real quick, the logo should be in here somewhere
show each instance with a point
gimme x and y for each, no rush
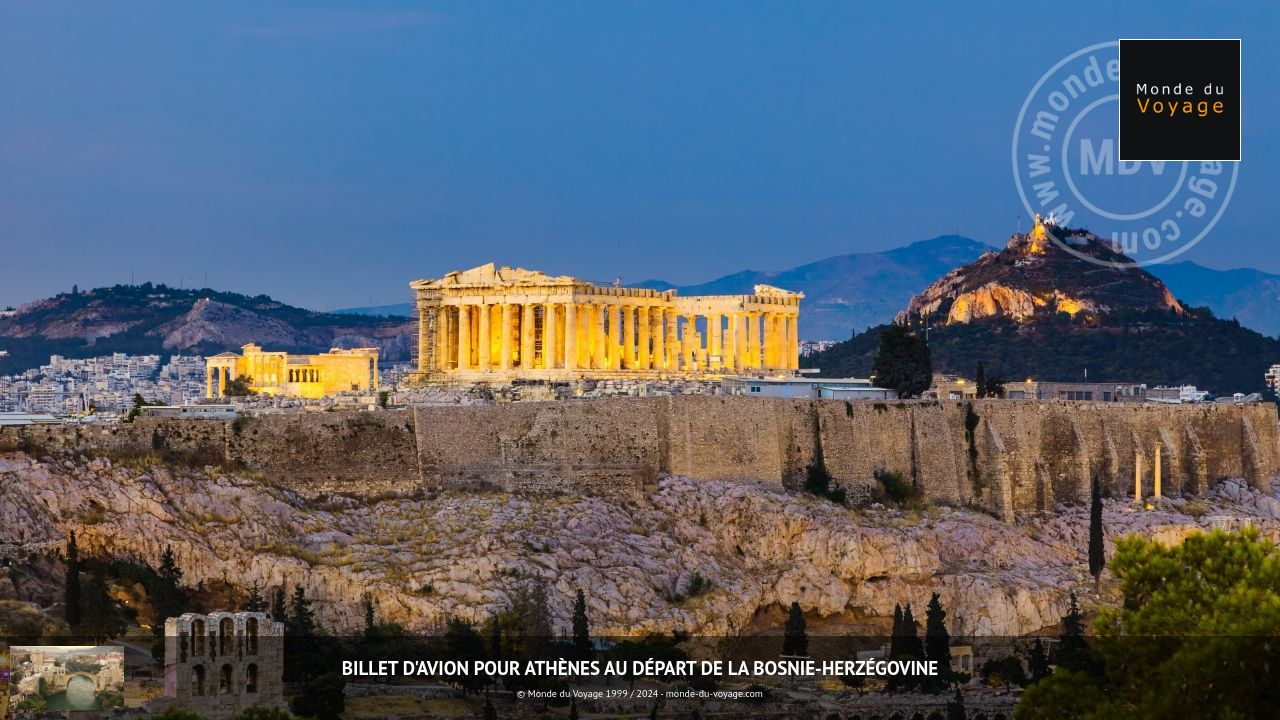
(1067, 167)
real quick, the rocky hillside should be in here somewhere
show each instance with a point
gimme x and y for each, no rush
(1033, 309)
(1034, 278)
(464, 554)
(155, 319)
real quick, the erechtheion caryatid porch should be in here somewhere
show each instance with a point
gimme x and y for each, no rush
(498, 324)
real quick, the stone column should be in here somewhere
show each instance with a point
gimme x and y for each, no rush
(505, 339)
(642, 344)
(444, 338)
(599, 341)
(485, 341)
(770, 340)
(614, 361)
(715, 344)
(570, 336)
(730, 343)
(794, 341)
(223, 376)
(753, 340)
(1137, 478)
(658, 328)
(740, 340)
(208, 381)
(694, 354)
(527, 327)
(424, 337)
(628, 337)
(550, 346)
(673, 340)
(464, 337)
(1155, 490)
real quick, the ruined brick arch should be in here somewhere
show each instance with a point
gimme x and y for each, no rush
(226, 680)
(198, 680)
(918, 716)
(197, 638)
(251, 678)
(251, 636)
(226, 636)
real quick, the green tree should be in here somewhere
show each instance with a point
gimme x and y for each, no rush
(71, 593)
(1004, 671)
(258, 712)
(173, 712)
(255, 602)
(321, 698)
(937, 645)
(795, 639)
(980, 381)
(903, 362)
(169, 599)
(573, 709)
(97, 611)
(1194, 636)
(278, 611)
(301, 620)
(464, 644)
(1038, 662)
(1097, 551)
(1073, 651)
(369, 624)
(240, 386)
(490, 712)
(955, 708)
(581, 629)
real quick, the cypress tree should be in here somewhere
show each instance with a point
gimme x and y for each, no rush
(495, 638)
(955, 708)
(368, 616)
(302, 621)
(255, 602)
(489, 712)
(912, 645)
(981, 381)
(71, 595)
(278, 611)
(573, 709)
(895, 637)
(581, 628)
(937, 644)
(795, 641)
(1097, 555)
(1038, 662)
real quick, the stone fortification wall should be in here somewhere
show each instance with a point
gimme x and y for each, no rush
(1008, 456)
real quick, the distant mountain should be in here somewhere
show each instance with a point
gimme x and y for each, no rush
(155, 319)
(849, 292)
(396, 310)
(1034, 310)
(859, 290)
(1248, 295)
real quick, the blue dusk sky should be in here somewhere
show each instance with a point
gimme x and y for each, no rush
(328, 153)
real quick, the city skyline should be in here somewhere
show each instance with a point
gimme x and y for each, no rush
(327, 155)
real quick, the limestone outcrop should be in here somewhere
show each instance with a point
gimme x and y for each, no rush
(429, 556)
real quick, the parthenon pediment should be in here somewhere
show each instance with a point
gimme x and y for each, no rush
(490, 275)
(771, 291)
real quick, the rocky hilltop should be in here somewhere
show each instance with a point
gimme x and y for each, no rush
(1033, 276)
(155, 319)
(1035, 309)
(429, 556)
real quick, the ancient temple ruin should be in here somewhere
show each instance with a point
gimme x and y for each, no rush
(219, 664)
(499, 324)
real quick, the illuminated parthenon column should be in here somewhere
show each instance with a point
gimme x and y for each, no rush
(500, 324)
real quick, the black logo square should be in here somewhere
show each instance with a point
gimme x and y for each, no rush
(1179, 99)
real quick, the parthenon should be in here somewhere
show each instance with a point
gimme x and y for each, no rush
(497, 324)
